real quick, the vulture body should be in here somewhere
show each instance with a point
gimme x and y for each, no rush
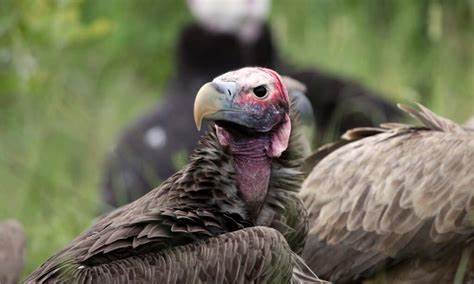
(393, 204)
(12, 251)
(154, 147)
(214, 220)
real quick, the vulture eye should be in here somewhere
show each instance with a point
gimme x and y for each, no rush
(260, 91)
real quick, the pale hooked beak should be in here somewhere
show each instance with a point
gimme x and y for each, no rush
(207, 102)
(214, 101)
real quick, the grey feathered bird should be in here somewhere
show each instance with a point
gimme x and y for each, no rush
(12, 251)
(231, 215)
(393, 204)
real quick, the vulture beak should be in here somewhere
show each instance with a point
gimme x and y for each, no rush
(214, 102)
(220, 101)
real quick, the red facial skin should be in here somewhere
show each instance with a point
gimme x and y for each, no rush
(278, 96)
(278, 85)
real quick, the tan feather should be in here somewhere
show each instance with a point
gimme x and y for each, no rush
(389, 193)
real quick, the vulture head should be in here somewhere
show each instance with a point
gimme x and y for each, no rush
(250, 108)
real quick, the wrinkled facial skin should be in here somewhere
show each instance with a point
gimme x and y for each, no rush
(250, 107)
(260, 97)
(248, 102)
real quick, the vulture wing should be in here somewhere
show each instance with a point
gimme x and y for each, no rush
(197, 226)
(158, 230)
(12, 251)
(252, 255)
(183, 209)
(398, 192)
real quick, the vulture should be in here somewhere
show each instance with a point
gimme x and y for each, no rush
(393, 204)
(12, 251)
(231, 215)
(158, 143)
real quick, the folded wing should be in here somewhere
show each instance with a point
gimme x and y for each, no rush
(398, 193)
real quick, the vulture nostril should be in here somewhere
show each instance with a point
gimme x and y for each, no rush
(228, 88)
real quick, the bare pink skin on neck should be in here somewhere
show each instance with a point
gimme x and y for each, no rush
(253, 161)
(252, 165)
(253, 169)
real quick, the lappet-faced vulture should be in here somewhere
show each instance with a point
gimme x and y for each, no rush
(394, 204)
(231, 215)
(229, 34)
(12, 251)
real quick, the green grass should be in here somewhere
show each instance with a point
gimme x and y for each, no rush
(74, 73)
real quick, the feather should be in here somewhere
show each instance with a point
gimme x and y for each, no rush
(390, 193)
(174, 234)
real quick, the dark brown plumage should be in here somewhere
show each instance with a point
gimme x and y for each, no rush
(198, 219)
(393, 204)
(258, 254)
(156, 145)
(12, 251)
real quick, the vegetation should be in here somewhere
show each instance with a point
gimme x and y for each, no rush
(74, 73)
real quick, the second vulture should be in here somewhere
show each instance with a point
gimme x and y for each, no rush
(394, 204)
(12, 251)
(231, 215)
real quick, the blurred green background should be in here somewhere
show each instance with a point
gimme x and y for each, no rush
(74, 73)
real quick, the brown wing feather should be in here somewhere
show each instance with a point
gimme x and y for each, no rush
(252, 255)
(171, 215)
(381, 199)
(456, 266)
(431, 120)
(199, 202)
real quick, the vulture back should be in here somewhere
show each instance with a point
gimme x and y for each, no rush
(387, 196)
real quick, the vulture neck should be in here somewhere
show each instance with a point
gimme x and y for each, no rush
(253, 169)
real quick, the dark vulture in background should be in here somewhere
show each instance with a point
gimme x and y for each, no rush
(155, 146)
(12, 251)
(231, 215)
(393, 204)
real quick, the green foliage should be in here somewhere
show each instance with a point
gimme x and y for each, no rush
(74, 73)
(411, 50)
